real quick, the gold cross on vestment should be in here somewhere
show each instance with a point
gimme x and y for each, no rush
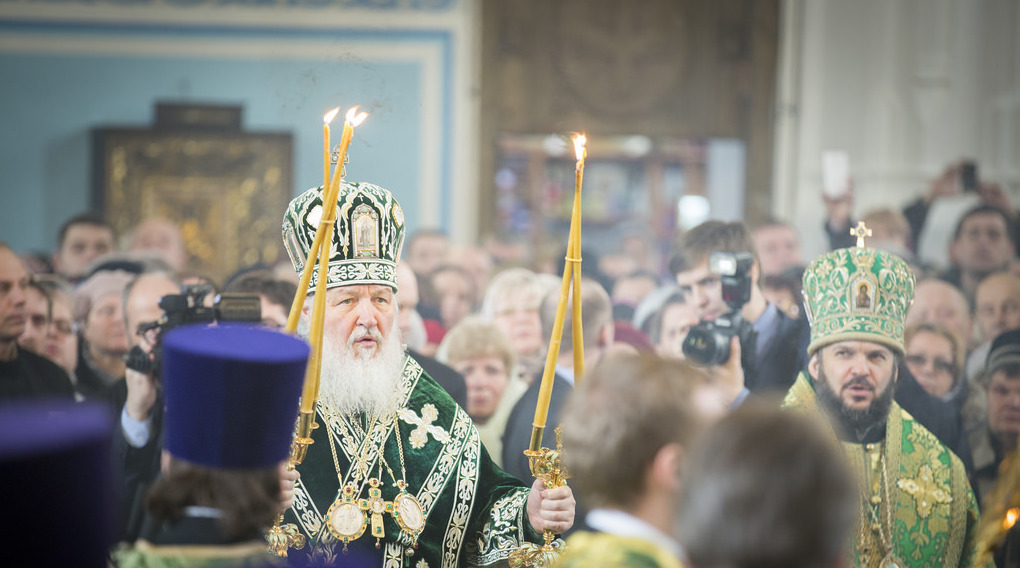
(926, 491)
(376, 506)
(860, 231)
(420, 435)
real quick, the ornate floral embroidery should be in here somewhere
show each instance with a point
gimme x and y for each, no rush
(925, 491)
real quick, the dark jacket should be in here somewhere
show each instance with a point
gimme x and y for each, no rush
(783, 357)
(517, 436)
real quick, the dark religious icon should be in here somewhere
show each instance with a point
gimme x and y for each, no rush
(223, 186)
(863, 300)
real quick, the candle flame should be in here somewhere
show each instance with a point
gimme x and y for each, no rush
(355, 118)
(1011, 517)
(579, 142)
(329, 116)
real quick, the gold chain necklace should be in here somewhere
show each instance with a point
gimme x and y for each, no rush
(868, 509)
(348, 518)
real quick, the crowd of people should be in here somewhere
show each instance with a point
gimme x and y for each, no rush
(861, 408)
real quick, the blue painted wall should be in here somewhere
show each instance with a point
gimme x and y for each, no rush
(49, 102)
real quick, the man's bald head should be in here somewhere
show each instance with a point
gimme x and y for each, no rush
(937, 301)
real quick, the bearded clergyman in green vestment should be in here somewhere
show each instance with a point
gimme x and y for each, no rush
(917, 507)
(397, 475)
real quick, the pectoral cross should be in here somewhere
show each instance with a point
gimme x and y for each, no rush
(860, 231)
(376, 506)
(420, 435)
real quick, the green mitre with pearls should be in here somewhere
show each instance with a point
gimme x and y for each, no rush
(858, 294)
(366, 237)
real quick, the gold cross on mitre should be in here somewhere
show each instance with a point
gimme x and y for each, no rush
(376, 506)
(860, 231)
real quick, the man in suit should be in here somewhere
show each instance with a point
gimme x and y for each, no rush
(781, 344)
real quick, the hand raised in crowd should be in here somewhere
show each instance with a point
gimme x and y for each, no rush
(729, 377)
(141, 394)
(946, 184)
(551, 509)
(141, 387)
(993, 194)
(839, 210)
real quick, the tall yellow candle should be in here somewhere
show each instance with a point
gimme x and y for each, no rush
(320, 250)
(310, 391)
(571, 270)
(353, 119)
(577, 328)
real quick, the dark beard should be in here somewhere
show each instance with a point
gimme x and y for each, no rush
(855, 424)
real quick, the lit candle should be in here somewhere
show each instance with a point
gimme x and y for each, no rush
(571, 273)
(320, 251)
(326, 119)
(575, 224)
(353, 119)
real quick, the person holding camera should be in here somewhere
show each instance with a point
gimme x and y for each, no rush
(772, 346)
(136, 444)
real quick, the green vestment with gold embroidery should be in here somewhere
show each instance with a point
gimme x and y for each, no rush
(934, 516)
(475, 513)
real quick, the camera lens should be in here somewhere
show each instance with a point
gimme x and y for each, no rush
(707, 345)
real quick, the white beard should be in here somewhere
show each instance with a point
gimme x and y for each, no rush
(354, 381)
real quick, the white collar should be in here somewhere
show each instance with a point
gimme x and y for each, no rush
(619, 523)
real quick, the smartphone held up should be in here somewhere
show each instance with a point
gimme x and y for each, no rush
(835, 174)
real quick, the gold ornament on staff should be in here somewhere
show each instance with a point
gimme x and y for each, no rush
(546, 464)
(281, 537)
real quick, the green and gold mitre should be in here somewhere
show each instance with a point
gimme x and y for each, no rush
(366, 238)
(858, 294)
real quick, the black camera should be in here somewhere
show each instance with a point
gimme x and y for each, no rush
(708, 342)
(189, 307)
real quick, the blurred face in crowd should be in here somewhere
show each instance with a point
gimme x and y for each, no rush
(997, 304)
(518, 318)
(486, 377)
(677, 319)
(104, 326)
(854, 380)
(83, 243)
(1004, 403)
(456, 295)
(939, 302)
(930, 359)
(61, 345)
(984, 244)
(13, 292)
(703, 291)
(630, 290)
(778, 248)
(143, 307)
(426, 252)
(36, 322)
(407, 297)
(273, 315)
(163, 238)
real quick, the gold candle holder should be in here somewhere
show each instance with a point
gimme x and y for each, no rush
(283, 536)
(546, 465)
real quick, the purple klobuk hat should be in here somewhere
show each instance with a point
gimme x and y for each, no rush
(231, 394)
(55, 481)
